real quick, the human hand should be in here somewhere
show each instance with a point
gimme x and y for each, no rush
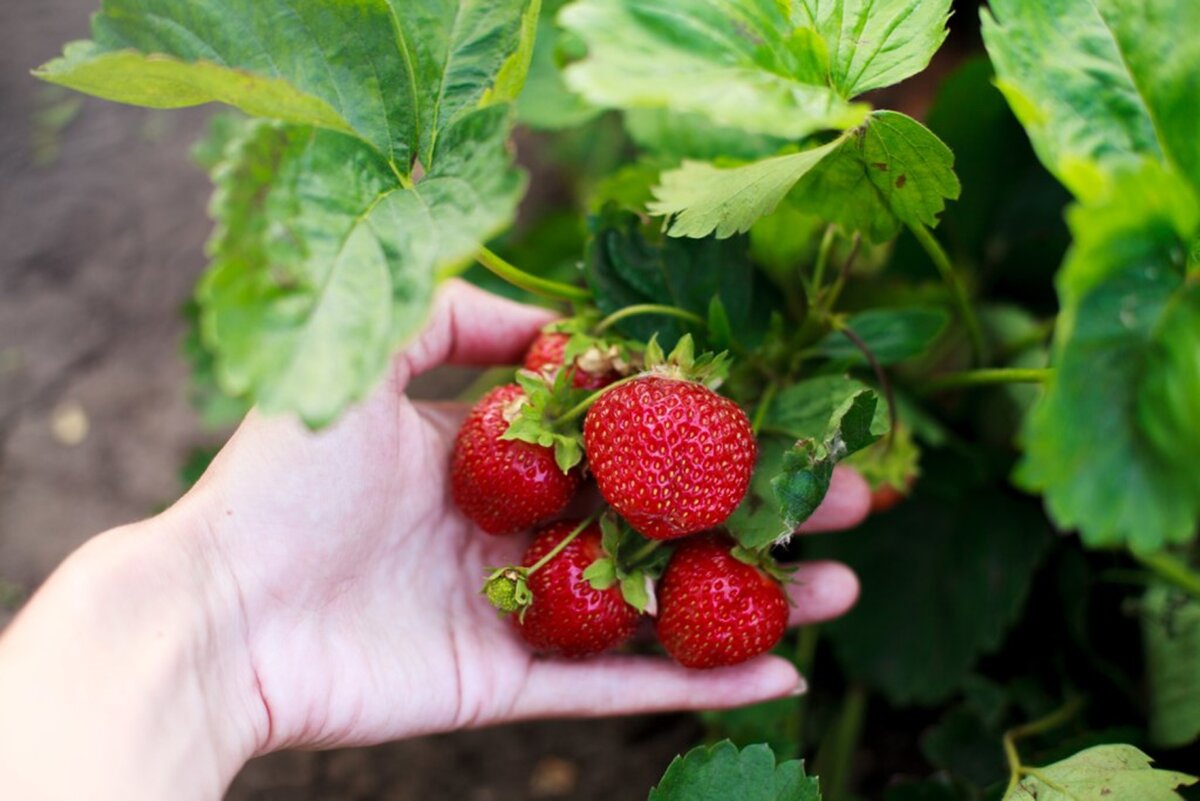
(359, 580)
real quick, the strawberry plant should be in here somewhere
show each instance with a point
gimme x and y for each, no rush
(993, 315)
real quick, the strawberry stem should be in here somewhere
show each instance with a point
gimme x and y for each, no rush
(523, 280)
(760, 413)
(585, 404)
(563, 543)
(649, 308)
(641, 553)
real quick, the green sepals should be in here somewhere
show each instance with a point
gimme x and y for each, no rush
(808, 466)
(720, 330)
(629, 561)
(1104, 771)
(761, 558)
(538, 420)
(710, 369)
(507, 589)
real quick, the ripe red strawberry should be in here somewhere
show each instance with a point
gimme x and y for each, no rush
(505, 486)
(672, 456)
(714, 610)
(568, 616)
(547, 352)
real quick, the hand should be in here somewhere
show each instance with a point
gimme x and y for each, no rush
(359, 579)
(319, 590)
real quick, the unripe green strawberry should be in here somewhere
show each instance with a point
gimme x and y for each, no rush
(670, 455)
(505, 486)
(567, 615)
(714, 610)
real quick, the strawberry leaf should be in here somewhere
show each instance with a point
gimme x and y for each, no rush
(1101, 471)
(1171, 633)
(1104, 771)
(888, 172)
(808, 467)
(323, 264)
(893, 335)
(742, 64)
(721, 772)
(395, 75)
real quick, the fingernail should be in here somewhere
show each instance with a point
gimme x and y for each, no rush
(801, 687)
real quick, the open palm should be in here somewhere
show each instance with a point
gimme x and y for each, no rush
(358, 580)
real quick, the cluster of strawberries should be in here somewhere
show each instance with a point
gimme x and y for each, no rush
(671, 458)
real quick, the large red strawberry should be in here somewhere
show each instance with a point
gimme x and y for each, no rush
(672, 456)
(505, 486)
(714, 610)
(567, 615)
(591, 370)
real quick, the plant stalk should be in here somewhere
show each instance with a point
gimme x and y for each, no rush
(1052, 721)
(585, 404)
(649, 308)
(823, 252)
(838, 752)
(563, 543)
(532, 283)
(1172, 570)
(990, 377)
(957, 289)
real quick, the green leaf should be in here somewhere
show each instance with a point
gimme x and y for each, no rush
(804, 410)
(893, 335)
(890, 171)
(741, 63)
(808, 467)
(675, 136)
(1171, 634)
(546, 103)
(1167, 397)
(942, 580)
(1165, 65)
(322, 264)
(1065, 79)
(397, 75)
(1084, 449)
(873, 44)
(623, 268)
(721, 772)
(1103, 772)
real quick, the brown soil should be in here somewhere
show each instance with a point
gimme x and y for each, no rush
(103, 224)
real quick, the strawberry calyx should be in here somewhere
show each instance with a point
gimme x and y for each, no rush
(709, 369)
(762, 559)
(631, 561)
(507, 588)
(540, 417)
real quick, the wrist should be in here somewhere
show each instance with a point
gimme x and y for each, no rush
(133, 654)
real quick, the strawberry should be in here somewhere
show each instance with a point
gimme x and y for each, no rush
(505, 486)
(886, 496)
(567, 615)
(592, 370)
(714, 610)
(670, 455)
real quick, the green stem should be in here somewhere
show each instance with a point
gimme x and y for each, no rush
(835, 762)
(957, 289)
(649, 308)
(829, 299)
(1052, 721)
(760, 413)
(1172, 570)
(885, 386)
(822, 261)
(532, 283)
(989, 377)
(641, 553)
(585, 404)
(563, 543)
(806, 650)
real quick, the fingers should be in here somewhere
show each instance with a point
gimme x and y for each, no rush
(625, 685)
(821, 591)
(847, 503)
(472, 327)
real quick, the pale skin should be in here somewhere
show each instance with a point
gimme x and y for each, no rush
(321, 590)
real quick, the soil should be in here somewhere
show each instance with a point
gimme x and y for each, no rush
(102, 216)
